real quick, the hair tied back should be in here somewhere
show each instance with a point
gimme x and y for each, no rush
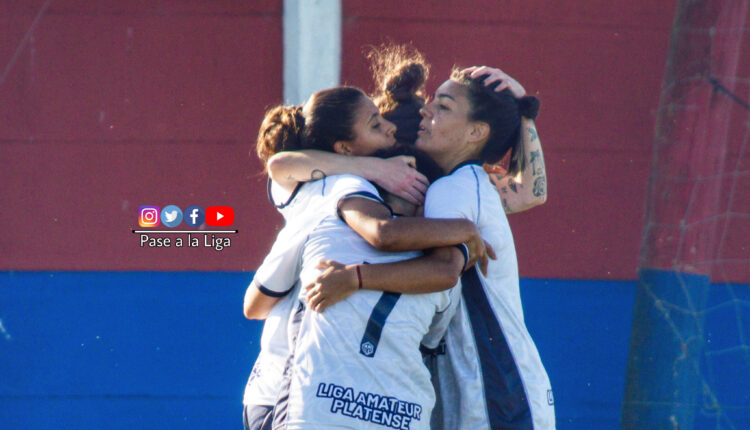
(528, 107)
(299, 118)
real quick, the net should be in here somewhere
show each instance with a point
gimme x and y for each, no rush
(689, 364)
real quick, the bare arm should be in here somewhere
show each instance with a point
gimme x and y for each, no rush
(397, 174)
(373, 221)
(529, 189)
(257, 305)
(438, 270)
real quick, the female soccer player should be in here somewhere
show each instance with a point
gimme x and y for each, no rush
(311, 231)
(491, 375)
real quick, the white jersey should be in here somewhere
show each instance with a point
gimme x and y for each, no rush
(491, 375)
(303, 209)
(357, 365)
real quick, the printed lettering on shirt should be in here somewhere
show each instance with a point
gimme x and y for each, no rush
(375, 408)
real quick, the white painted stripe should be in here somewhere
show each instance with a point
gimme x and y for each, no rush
(312, 47)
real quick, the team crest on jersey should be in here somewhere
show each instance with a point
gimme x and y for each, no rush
(367, 348)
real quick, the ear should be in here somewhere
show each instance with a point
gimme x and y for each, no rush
(479, 131)
(342, 147)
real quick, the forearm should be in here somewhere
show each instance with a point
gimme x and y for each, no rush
(436, 271)
(529, 189)
(257, 305)
(413, 233)
(290, 167)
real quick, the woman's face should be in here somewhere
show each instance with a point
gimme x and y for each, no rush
(372, 132)
(445, 122)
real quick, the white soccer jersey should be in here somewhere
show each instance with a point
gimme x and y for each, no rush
(303, 209)
(491, 375)
(357, 365)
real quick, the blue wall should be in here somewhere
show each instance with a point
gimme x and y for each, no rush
(148, 350)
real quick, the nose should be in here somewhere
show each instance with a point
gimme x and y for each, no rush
(425, 112)
(390, 128)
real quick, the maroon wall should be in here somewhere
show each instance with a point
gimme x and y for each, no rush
(111, 105)
(124, 103)
(597, 67)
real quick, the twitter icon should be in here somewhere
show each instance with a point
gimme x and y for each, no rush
(171, 216)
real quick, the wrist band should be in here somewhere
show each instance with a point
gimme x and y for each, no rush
(359, 277)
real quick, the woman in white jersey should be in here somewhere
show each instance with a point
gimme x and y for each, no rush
(491, 375)
(313, 208)
(371, 284)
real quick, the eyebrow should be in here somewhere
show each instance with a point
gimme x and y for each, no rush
(372, 117)
(445, 96)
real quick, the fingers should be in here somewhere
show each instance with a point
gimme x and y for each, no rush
(316, 302)
(422, 182)
(490, 251)
(492, 79)
(412, 196)
(416, 197)
(502, 86)
(410, 160)
(483, 261)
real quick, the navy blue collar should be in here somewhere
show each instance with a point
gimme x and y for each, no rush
(466, 163)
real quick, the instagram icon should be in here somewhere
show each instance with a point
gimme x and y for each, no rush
(148, 216)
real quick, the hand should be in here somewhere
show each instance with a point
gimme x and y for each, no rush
(495, 75)
(481, 251)
(399, 176)
(336, 283)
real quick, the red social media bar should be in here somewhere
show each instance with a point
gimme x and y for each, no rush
(219, 216)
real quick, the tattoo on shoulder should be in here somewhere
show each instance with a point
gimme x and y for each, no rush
(317, 174)
(537, 164)
(512, 185)
(540, 186)
(532, 132)
(504, 190)
(505, 206)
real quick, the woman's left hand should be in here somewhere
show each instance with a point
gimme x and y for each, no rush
(495, 75)
(336, 283)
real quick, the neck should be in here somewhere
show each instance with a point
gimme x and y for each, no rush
(449, 161)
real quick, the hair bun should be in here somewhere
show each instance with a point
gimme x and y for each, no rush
(404, 84)
(528, 107)
(281, 130)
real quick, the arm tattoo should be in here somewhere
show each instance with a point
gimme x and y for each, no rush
(540, 185)
(512, 185)
(532, 132)
(505, 206)
(504, 190)
(537, 164)
(317, 174)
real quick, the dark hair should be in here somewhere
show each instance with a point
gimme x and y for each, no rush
(425, 164)
(327, 117)
(399, 72)
(502, 112)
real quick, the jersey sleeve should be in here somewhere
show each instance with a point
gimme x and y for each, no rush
(453, 196)
(281, 267)
(342, 186)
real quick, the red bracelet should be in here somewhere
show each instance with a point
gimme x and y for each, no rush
(359, 277)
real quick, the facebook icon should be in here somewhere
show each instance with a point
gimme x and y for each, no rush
(194, 216)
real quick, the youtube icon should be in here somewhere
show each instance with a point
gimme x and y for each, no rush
(219, 216)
